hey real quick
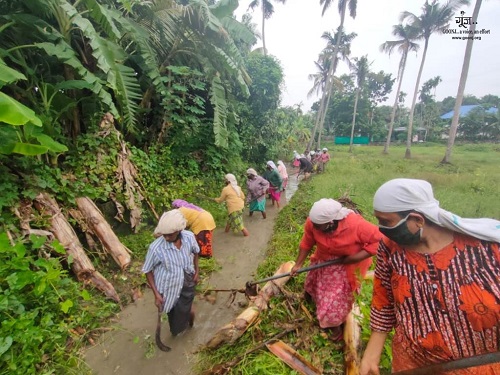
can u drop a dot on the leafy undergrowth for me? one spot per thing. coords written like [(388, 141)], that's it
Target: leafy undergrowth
[(46, 316)]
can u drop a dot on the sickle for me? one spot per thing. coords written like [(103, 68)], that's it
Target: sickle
[(160, 345)]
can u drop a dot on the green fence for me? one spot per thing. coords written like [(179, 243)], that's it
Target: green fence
[(356, 140)]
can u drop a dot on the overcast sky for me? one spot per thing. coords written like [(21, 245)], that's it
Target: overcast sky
[(293, 35)]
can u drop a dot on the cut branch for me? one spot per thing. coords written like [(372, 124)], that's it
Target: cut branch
[(65, 234), (235, 329), (100, 227)]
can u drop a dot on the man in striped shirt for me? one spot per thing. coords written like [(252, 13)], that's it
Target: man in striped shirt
[(171, 269)]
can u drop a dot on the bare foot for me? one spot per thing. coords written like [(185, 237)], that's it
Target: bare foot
[(245, 232)]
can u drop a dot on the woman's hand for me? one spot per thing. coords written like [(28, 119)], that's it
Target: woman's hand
[(295, 268), (196, 277), (369, 367)]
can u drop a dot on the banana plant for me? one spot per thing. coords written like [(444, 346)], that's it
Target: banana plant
[(20, 127)]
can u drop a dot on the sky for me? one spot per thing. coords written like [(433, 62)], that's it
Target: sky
[(293, 36)]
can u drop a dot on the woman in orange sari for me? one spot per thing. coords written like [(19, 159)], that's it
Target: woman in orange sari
[(200, 222), (437, 283)]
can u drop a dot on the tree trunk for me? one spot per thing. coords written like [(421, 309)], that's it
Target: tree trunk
[(63, 231), (352, 337), (354, 119), (331, 73), (263, 31), (395, 106), (461, 85), (101, 228), (413, 103), (235, 329)]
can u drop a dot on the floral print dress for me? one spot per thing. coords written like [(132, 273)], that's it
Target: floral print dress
[(443, 306)]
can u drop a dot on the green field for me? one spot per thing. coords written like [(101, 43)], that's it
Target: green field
[(470, 187)]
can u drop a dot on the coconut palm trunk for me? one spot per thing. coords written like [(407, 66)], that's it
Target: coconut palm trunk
[(461, 85), (331, 73), (354, 118), (395, 106), (414, 102), (263, 28)]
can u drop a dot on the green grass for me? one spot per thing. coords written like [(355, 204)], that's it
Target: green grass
[(469, 187)]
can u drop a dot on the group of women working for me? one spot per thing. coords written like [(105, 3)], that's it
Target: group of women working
[(436, 277), (202, 223)]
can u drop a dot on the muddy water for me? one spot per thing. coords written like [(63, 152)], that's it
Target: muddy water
[(129, 349)]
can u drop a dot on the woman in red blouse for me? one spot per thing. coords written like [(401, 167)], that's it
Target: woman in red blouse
[(336, 232), (437, 283)]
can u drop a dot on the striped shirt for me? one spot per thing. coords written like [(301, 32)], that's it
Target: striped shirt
[(169, 264), (443, 306)]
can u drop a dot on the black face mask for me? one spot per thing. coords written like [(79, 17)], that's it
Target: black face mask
[(331, 227), (401, 234)]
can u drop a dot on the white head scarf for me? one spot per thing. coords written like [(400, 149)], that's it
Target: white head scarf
[(326, 210), (252, 171), (170, 222), (232, 180), (402, 194), (271, 164)]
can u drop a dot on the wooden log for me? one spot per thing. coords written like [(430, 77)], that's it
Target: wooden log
[(236, 328), (65, 234), (293, 359), (352, 337), (100, 227)]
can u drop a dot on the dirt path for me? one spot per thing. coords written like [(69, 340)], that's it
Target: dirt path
[(129, 349)]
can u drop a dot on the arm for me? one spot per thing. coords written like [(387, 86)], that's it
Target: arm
[(371, 357), (356, 258), (222, 197), (299, 261), (151, 282)]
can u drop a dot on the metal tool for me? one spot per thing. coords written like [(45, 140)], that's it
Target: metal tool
[(462, 363), (160, 345), (251, 286)]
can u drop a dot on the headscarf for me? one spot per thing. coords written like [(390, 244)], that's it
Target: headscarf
[(232, 180), (403, 194), (283, 172), (170, 222), (252, 171), (325, 149), (326, 210), (182, 203), (271, 164)]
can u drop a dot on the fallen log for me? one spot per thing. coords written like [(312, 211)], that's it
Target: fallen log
[(65, 234), (352, 337), (293, 359), (100, 227), (224, 368), (236, 328)]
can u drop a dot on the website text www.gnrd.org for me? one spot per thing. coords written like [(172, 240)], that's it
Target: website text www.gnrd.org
[(466, 32), (466, 37)]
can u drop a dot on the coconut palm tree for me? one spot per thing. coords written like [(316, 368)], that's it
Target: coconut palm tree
[(267, 12), (435, 17), (325, 98), (461, 85), (328, 82), (361, 69), (404, 44)]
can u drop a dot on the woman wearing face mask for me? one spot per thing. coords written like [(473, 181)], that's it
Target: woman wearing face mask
[(436, 282), (336, 232)]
